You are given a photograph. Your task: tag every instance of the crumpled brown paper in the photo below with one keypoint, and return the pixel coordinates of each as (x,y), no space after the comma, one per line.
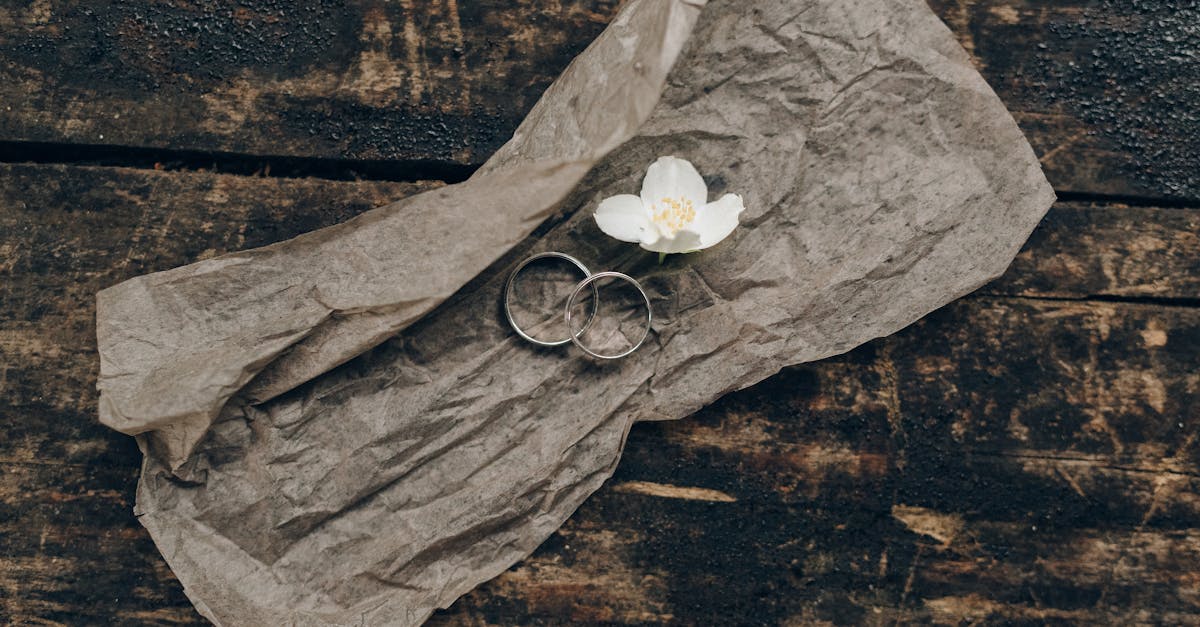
(291,479)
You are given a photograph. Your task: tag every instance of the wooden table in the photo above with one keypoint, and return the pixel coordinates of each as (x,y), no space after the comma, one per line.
(1026,454)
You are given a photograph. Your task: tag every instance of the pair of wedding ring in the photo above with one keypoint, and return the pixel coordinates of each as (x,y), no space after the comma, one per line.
(589,281)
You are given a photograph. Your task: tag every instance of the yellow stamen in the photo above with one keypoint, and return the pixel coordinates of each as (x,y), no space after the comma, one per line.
(672,214)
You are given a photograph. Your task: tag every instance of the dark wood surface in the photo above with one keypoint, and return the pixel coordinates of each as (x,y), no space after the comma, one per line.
(1105,89)
(1027,454)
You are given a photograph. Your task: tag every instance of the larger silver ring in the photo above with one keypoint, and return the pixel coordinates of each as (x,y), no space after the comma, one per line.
(591,281)
(508,290)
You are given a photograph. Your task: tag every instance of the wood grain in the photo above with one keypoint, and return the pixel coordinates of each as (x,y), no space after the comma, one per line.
(1103,89)
(360,79)
(71,551)
(1089,250)
(1027,454)
(1003,460)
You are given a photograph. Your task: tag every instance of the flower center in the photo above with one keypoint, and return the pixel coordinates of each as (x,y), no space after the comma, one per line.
(672,214)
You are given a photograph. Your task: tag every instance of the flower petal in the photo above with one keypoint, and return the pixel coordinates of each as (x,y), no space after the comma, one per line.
(683,242)
(625,218)
(716,220)
(671,177)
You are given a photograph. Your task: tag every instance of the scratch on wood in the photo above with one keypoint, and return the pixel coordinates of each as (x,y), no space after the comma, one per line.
(1066,143)
(890,389)
(1116,463)
(1170,485)
(412,47)
(1006,14)
(1071,481)
(668,491)
(456,32)
(968,608)
(912,574)
(1162,484)
(941,527)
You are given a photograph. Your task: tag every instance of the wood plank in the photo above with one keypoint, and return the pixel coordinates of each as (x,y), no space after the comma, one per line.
(1104,90)
(1087,250)
(1003,460)
(72,552)
(68,231)
(364,79)
(900,482)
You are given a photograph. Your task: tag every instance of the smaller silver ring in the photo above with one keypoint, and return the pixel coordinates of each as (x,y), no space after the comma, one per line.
(591,281)
(512,278)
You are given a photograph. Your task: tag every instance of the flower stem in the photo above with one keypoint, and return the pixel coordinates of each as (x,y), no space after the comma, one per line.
(661,258)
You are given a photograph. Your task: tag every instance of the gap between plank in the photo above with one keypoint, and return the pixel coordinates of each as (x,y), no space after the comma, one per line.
(1164,202)
(399,171)
(1157,301)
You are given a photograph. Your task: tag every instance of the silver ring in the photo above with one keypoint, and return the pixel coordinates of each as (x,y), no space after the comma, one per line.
(512,278)
(591,281)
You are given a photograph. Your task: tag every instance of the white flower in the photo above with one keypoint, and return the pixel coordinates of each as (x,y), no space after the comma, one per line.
(673,214)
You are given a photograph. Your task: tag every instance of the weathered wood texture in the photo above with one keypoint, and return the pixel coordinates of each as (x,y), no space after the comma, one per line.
(361,79)
(1105,89)
(1003,460)
(1088,250)
(71,551)
(1027,454)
